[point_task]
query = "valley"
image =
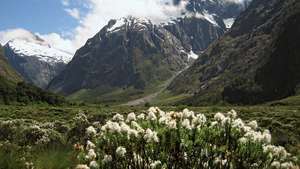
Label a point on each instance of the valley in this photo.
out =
(172, 84)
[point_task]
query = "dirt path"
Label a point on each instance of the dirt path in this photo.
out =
(150, 97)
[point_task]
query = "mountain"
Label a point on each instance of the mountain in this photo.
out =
(13, 90)
(35, 59)
(132, 58)
(127, 55)
(256, 61)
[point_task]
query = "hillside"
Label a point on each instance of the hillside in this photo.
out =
(255, 62)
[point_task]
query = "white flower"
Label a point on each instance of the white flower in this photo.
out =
(155, 164)
(82, 166)
(266, 136)
(91, 131)
(287, 165)
(107, 158)
(151, 136)
(141, 116)
(118, 117)
(90, 145)
(171, 124)
(94, 165)
(275, 164)
(238, 123)
(232, 114)
(225, 121)
(186, 124)
(151, 116)
(199, 120)
(243, 140)
(131, 117)
(111, 127)
(186, 113)
(121, 151)
(253, 124)
(162, 120)
(153, 109)
(214, 123)
(91, 154)
(219, 117)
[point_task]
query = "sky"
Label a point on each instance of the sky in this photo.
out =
(67, 24)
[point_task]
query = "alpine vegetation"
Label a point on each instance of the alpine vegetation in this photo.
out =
(157, 139)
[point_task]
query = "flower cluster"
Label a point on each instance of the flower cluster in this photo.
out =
(159, 139)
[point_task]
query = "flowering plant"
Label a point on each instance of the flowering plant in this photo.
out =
(186, 139)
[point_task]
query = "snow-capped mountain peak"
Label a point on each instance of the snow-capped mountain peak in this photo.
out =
(40, 49)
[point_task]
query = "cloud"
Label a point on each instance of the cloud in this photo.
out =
(54, 39)
(65, 2)
(10, 34)
(73, 12)
(101, 11)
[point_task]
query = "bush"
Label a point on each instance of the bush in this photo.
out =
(185, 139)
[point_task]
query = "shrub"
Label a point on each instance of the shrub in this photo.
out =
(184, 139)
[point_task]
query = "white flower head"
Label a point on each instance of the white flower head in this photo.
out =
(186, 113)
(90, 145)
(82, 166)
(118, 117)
(199, 120)
(275, 164)
(151, 116)
(91, 154)
(91, 131)
(151, 136)
(253, 124)
(94, 165)
(219, 117)
(131, 117)
(172, 124)
(186, 124)
(141, 116)
(232, 114)
(238, 123)
(107, 158)
(121, 151)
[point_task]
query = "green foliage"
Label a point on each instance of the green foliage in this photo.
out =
(21, 92)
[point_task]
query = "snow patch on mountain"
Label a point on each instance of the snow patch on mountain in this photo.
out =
(39, 49)
(229, 22)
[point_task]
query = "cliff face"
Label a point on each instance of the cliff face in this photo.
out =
(256, 61)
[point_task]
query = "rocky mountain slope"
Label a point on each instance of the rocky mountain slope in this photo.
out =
(131, 58)
(127, 53)
(36, 60)
(256, 61)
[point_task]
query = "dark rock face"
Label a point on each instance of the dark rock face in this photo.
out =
(134, 53)
(195, 33)
(32, 69)
(257, 61)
